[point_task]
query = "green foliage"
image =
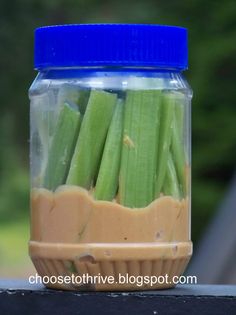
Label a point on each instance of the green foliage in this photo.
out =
(212, 34)
(14, 177)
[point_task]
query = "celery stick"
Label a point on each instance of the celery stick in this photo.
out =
(89, 146)
(139, 149)
(171, 186)
(177, 145)
(62, 146)
(45, 125)
(72, 93)
(68, 93)
(166, 126)
(83, 100)
(107, 181)
(179, 112)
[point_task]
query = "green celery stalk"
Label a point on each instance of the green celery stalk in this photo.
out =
(171, 185)
(82, 101)
(165, 135)
(177, 145)
(68, 93)
(107, 181)
(61, 147)
(73, 94)
(89, 146)
(139, 148)
(44, 122)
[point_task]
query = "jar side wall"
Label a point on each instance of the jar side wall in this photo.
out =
(127, 133)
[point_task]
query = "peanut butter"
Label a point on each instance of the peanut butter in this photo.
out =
(70, 228)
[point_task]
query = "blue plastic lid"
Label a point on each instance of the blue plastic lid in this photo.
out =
(131, 45)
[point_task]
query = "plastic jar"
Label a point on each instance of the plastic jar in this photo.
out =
(110, 156)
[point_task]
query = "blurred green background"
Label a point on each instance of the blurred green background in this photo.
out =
(212, 69)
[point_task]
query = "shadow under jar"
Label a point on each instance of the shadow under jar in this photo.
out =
(110, 156)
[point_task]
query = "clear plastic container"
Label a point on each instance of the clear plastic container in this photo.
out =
(110, 156)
